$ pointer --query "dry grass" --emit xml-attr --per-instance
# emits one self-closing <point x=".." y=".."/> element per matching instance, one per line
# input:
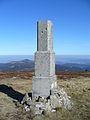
<point x="77" y="88"/>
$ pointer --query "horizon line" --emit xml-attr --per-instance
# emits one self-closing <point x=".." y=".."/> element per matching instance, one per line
<point x="55" y="54"/>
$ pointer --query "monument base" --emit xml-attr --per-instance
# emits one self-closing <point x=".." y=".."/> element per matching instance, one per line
<point x="41" y="86"/>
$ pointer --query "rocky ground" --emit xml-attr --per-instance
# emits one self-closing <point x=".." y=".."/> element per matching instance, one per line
<point x="13" y="87"/>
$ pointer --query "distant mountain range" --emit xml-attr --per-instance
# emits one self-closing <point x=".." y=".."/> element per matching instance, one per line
<point x="60" y="59"/>
<point x="72" y="67"/>
<point x="23" y="65"/>
<point x="28" y="65"/>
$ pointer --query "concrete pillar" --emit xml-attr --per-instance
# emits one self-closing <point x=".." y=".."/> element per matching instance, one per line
<point x="45" y="78"/>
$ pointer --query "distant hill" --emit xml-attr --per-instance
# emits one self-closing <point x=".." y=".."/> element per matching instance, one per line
<point x="72" y="67"/>
<point x="23" y="65"/>
<point x="28" y="65"/>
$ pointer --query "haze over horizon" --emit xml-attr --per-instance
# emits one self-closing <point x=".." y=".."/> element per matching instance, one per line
<point x="80" y="59"/>
<point x="18" y="26"/>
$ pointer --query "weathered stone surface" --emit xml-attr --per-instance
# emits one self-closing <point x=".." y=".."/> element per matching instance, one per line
<point x="44" y="63"/>
<point x="54" y="101"/>
<point x="38" y="105"/>
<point x="42" y="85"/>
<point x="63" y="98"/>
<point x="27" y="108"/>
<point x="26" y="98"/>
<point x="45" y="36"/>
<point x="45" y="78"/>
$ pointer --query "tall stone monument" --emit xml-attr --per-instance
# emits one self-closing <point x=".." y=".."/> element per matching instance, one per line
<point x="45" y="79"/>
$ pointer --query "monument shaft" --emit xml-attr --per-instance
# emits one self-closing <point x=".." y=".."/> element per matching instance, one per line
<point x="45" y="78"/>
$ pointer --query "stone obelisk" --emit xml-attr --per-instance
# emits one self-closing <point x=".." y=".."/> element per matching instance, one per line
<point x="45" y="78"/>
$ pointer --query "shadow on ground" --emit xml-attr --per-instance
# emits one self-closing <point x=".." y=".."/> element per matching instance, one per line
<point x="11" y="92"/>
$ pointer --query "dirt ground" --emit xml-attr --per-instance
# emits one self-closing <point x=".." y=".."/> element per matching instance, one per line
<point x="13" y="88"/>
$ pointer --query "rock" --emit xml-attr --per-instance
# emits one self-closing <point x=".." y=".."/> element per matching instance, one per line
<point x="37" y="111"/>
<point x="40" y="105"/>
<point x="35" y="99"/>
<point x="61" y="96"/>
<point x="43" y="100"/>
<point x="54" y="101"/>
<point x="53" y="110"/>
<point x="27" y="108"/>
<point x="14" y="78"/>
<point x="48" y="108"/>
<point x="26" y="99"/>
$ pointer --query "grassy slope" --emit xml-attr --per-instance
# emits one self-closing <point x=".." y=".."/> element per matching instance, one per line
<point x="77" y="88"/>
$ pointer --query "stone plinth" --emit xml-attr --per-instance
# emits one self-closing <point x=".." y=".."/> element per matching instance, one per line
<point x="43" y="85"/>
<point x="45" y="78"/>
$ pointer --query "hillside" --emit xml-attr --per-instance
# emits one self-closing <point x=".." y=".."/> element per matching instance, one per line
<point x="13" y="88"/>
<point x="72" y="67"/>
<point x="23" y="65"/>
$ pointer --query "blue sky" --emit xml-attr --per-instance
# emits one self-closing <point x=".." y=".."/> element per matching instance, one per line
<point x="18" y="26"/>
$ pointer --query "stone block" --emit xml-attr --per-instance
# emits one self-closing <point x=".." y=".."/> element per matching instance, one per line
<point x="41" y="86"/>
<point x="44" y="64"/>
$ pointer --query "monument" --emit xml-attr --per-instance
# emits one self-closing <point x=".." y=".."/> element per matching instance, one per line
<point x="45" y="79"/>
<point x="46" y="97"/>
